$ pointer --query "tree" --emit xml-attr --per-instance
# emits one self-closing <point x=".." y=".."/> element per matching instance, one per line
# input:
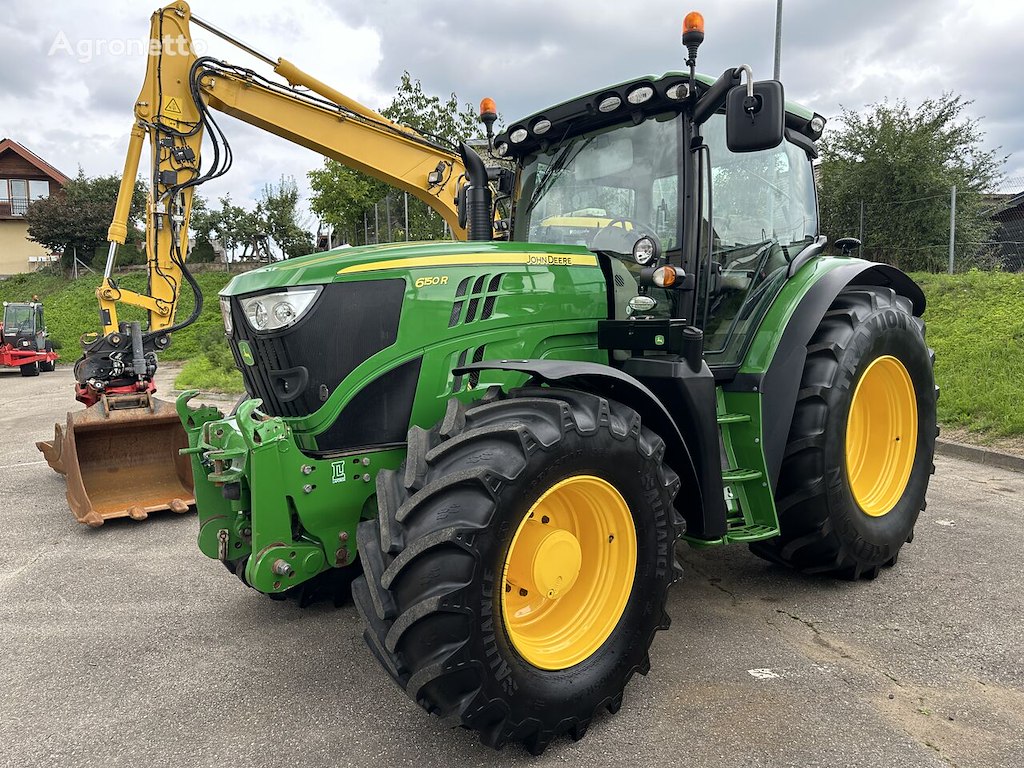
<point x="442" y="120"/>
<point x="902" y="164"/>
<point x="202" y="225"/>
<point x="76" y="219"/>
<point x="345" y="198"/>
<point x="274" y="220"/>
<point x="278" y="209"/>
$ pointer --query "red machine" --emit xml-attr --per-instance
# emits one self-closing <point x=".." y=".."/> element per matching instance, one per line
<point x="25" y="344"/>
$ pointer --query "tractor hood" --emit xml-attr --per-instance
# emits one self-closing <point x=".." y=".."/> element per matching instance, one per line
<point x="371" y="260"/>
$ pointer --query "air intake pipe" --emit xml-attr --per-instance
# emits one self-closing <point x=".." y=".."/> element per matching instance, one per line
<point x="475" y="197"/>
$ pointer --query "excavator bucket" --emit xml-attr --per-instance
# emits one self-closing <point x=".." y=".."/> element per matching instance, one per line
<point x="122" y="461"/>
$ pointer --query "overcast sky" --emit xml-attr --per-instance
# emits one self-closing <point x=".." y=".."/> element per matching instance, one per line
<point x="67" y="85"/>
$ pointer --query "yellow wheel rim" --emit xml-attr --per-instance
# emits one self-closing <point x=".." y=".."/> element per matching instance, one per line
<point x="881" y="436"/>
<point x="569" y="572"/>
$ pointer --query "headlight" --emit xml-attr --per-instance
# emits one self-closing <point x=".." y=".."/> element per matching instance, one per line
<point x="225" y="314"/>
<point x="645" y="251"/>
<point x="272" y="311"/>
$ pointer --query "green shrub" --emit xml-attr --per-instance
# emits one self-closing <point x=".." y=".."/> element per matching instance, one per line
<point x="207" y="375"/>
<point x="976" y="327"/>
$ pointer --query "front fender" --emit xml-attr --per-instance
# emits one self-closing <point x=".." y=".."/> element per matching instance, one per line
<point x="610" y="382"/>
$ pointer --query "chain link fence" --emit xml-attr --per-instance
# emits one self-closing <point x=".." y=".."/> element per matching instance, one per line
<point x="396" y="217"/>
<point x="1007" y="210"/>
<point x="949" y="231"/>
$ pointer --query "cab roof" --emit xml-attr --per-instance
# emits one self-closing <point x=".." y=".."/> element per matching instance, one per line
<point x="585" y="113"/>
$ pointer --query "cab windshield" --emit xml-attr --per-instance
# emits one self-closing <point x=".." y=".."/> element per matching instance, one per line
<point x="18" y="319"/>
<point x="604" y="189"/>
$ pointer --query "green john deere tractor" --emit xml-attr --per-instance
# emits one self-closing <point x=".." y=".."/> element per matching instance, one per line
<point x="502" y="441"/>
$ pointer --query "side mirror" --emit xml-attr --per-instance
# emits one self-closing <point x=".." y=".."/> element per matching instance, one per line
<point x="755" y="120"/>
<point x="847" y="244"/>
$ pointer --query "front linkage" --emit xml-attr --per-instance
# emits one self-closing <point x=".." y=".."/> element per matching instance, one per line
<point x="274" y="516"/>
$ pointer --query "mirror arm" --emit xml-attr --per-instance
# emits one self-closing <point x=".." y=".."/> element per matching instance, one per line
<point x="714" y="97"/>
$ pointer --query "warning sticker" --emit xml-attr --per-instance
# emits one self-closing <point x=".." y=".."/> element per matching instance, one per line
<point x="172" y="107"/>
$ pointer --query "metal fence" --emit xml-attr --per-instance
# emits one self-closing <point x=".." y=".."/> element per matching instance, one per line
<point x="944" y="232"/>
<point x="394" y="218"/>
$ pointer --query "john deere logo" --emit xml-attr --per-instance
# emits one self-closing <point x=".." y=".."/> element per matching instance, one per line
<point x="245" y="353"/>
<point x="337" y="471"/>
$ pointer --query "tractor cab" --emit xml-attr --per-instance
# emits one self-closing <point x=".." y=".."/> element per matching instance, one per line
<point x="609" y="171"/>
<point x="23" y="326"/>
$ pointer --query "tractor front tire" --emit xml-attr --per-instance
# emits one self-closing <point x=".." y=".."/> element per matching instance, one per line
<point x="32" y="369"/>
<point x="862" y="441"/>
<point x="520" y="562"/>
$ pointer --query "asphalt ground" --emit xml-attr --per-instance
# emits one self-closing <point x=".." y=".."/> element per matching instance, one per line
<point x="125" y="646"/>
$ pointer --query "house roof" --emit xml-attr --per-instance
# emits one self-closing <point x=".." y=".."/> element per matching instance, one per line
<point x="34" y="159"/>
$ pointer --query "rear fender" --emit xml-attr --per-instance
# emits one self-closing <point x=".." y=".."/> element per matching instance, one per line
<point x="779" y="381"/>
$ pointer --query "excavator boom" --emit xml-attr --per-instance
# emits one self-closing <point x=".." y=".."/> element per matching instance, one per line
<point x="119" y="455"/>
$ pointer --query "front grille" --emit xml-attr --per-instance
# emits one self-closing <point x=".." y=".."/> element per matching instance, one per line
<point x="378" y="415"/>
<point x="297" y="368"/>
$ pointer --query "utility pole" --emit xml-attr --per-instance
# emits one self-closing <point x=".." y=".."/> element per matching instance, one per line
<point x="778" y="38"/>
<point x="952" y="226"/>
<point x="860" y="248"/>
<point x="387" y="210"/>
<point x="407" y="217"/>
<point x="376" y="225"/>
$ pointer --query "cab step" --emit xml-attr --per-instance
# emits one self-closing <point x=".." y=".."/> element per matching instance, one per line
<point x="749" y="501"/>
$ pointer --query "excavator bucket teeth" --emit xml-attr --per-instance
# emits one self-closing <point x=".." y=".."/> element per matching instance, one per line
<point x="122" y="462"/>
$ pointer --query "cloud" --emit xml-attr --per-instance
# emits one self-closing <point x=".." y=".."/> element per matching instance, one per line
<point x="527" y="56"/>
<point x="834" y="53"/>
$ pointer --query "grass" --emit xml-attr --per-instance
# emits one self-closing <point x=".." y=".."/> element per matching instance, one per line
<point x="975" y="324"/>
<point x="71" y="310"/>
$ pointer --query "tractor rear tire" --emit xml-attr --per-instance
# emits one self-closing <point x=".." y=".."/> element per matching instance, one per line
<point x="47" y="366"/>
<point x="437" y="595"/>
<point x="849" y="490"/>
<point x="32" y="369"/>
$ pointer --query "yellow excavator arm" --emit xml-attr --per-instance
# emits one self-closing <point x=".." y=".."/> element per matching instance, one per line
<point x="172" y="109"/>
<point x="121" y="454"/>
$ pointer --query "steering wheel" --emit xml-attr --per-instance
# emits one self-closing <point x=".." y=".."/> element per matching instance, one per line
<point x="619" y="239"/>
